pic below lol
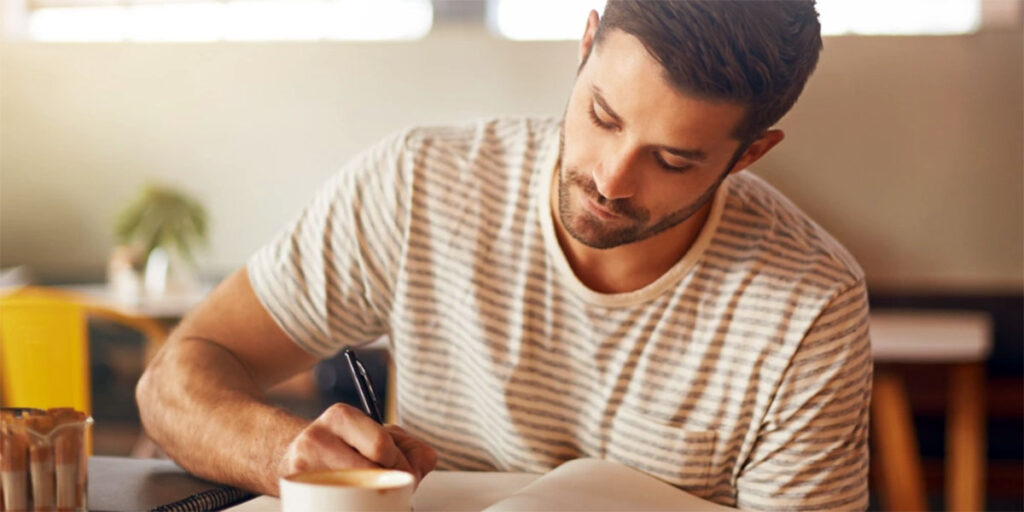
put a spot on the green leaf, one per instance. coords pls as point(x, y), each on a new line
point(163, 217)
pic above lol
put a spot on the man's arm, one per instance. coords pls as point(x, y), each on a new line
point(202, 400)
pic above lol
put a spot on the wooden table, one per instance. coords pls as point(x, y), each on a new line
point(117, 483)
point(120, 483)
point(170, 306)
point(961, 341)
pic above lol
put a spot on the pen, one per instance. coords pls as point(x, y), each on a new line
point(363, 386)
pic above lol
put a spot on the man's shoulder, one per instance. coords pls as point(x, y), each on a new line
point(494, 150)
point(501, 132)
point(760, 219)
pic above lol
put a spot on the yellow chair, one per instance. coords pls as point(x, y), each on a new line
point(44, 346)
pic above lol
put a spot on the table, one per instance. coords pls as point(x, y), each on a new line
point(582, 485)
point(120, 483)
point(961, 340)
point(171, 306)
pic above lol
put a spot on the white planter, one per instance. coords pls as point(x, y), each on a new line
point(167, 273)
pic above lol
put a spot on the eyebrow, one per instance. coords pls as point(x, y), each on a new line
point(689, 154)
point(696, 155)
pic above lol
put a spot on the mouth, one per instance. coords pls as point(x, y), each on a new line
point(598, 210)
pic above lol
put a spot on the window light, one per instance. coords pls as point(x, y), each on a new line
point(899, 17)
point(564, 19)
point(236, 20)
point(526, 20)
point(78, 24)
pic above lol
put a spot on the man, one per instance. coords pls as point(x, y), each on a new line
point(609, 285)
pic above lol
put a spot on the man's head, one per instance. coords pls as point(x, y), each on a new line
point(670, 97)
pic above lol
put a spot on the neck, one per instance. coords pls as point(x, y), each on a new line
point(631, 266)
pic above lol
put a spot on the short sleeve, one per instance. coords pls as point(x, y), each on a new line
point(812, 450)
point(328, 277)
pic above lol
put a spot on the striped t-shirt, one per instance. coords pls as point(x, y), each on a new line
point(741, 375)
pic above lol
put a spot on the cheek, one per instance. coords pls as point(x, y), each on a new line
point(675, 192)
point(581, 144)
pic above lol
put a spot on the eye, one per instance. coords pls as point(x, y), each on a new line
point(671, 167)
point(597, 120)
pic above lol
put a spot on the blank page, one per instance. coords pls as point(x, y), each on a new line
point(601, 485)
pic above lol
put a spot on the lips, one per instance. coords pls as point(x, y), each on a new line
point(598, 210)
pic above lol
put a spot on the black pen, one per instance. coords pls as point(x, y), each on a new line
point(363, 385)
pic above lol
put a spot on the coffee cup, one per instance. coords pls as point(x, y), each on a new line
point(347, 489)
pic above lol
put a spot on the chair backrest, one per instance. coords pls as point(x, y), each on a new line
point(44, 346)
point(44, 350)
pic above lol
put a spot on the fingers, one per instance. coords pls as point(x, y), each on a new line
point(343, 437)
point(317, 448)
point(421, 456)
point(366, 436)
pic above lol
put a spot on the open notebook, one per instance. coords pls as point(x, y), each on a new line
point(595, 484)
point(578, 485)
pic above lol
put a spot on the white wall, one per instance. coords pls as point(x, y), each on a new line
point(908, 149)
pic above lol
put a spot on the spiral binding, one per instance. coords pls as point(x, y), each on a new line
point(213, 499)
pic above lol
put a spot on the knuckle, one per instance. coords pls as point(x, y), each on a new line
point(378, 445)
point(337, 412)
point(308, 442)
point(300, 464)
point(292, 464)
point(304, 444)
point(430, 456)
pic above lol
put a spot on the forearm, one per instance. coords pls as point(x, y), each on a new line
point(200, 404)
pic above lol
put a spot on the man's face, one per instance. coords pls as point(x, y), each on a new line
point(638, 156)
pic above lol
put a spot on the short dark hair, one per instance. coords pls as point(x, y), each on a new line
point(757, 53)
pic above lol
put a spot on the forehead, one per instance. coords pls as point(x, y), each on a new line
point(635, 85)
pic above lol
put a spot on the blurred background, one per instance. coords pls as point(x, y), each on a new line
point(907, 145)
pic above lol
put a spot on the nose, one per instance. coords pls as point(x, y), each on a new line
point(615, 177)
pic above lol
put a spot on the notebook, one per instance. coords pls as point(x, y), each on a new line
point(117, 484)
point(600, 485)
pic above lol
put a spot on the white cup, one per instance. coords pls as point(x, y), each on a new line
point(347, 489)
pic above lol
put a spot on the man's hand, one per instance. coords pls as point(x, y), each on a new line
point(344, 437)
point(202, 400)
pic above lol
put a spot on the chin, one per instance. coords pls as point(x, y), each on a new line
point(595, 233)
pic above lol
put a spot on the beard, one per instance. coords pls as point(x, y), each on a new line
point(633, 223)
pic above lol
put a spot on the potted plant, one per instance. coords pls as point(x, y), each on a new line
point(166, 227)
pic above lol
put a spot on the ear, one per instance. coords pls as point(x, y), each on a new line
point(758, 149)
point(587, 41)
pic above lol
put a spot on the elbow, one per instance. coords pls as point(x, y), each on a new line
point(143, 392)
point(148, 398)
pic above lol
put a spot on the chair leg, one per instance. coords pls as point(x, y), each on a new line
point(899, 461)
point(965, 438)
